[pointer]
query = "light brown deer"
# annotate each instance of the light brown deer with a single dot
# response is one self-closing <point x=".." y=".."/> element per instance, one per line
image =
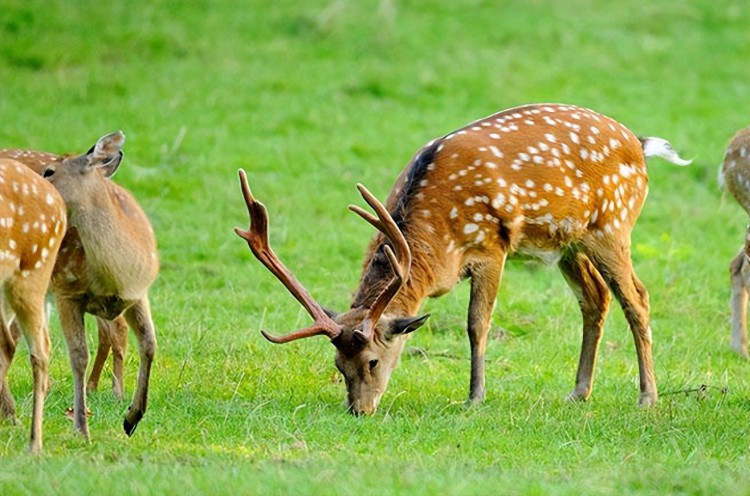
<point x="113" y="335"/>
<point x="562" y="183"/>
<point x="110" y="273"/>
<point x="32" y="226"/>
<point x="734" y="175"/>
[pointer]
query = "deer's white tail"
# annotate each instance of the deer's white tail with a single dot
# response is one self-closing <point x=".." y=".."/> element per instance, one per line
<point x="658" y="147"/>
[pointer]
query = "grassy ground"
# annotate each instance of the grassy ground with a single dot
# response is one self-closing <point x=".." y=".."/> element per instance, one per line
<point x="312" y="97"/>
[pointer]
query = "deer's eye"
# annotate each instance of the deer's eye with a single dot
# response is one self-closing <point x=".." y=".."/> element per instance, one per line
<point x="48" y="172"/>
<point x="373" y="364"/>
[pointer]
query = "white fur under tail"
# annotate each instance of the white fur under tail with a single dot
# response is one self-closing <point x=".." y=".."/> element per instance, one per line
<point x="658" y="147"/>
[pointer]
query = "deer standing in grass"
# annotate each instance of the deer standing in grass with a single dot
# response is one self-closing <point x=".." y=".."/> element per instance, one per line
<point x="734" y="175"/>
<point x="32" y="226"/>
<point x="562" y="183"/>
<point x="110" y="263"/>
<point x="113" y="335"/>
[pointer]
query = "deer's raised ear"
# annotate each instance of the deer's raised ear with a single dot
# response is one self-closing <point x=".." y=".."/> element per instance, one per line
<point x="406" y="325"/>
<point x="107" y="153"/>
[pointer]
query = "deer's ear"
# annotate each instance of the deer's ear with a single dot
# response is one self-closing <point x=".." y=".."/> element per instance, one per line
<point x="107" y="153"/>
<point x="407" y="325"/>
<point x="331" y="313"/>
<point x="109" y="166"/>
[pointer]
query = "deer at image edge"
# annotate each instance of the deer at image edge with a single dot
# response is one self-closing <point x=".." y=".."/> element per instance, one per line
<point x="32" y="226"/>
<point x="734" y="175"/>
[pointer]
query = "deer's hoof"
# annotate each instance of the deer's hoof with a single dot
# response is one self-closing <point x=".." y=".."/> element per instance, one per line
<point x="647" y="400"/>
<point x="128" y="427"/>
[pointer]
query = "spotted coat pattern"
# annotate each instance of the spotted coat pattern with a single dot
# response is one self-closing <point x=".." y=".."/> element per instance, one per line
<point x="531" y="180"/>
<point x="32" y="220"/>
<point x="558" y="182"/>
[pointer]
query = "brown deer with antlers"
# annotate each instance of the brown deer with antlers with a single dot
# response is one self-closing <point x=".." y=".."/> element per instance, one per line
<point x="108" y="266"/>
<point x="563" y="183"/>
<point x="734" y="175"/>
<point x="113" y="335"/>
<point x="32" y="226"/>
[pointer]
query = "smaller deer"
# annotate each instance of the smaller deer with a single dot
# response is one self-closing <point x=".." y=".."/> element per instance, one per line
<point x="32" y="226"/>
<point x="734" y="175"/>
<point x="109" y="266"/>
<point x="113" y="335"/>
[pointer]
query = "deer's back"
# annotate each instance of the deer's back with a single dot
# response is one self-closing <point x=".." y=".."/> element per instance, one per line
<point x="533" y="179"/>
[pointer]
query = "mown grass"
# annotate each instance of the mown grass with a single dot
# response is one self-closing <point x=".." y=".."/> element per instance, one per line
<point x="310" y="98"/>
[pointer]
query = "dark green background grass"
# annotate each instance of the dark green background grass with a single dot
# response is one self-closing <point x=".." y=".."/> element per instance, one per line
<point x="310" y="98"/>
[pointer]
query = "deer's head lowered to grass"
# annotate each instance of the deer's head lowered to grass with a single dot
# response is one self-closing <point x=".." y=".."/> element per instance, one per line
<point x="559" y="182"/>
<point x="366" y="340"/>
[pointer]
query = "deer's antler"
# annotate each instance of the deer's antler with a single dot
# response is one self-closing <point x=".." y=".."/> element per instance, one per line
<point x="399" y="256"/>
<point x="257" y="239"/>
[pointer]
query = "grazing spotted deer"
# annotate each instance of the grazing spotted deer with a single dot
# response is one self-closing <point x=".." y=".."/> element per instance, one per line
<point x="563" y="183"/>
<point x="113" y="335"/>
<point x="734" y="175"/>
<point x="32" y="226"/>
<point x="109" y="266"/>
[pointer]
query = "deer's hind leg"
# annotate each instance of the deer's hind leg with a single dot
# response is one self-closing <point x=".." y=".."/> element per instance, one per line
<point x="612" y="260"/>
<point x="594" y="299"/>
<point x="113" y="336"/>
<point x="28" y="304"/>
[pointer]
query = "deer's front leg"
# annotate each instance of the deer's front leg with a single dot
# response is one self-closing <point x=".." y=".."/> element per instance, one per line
<point x="71" y="321"/>
<point x="485" y="281"/>
<point x="739" y="272"/>
<point x="138" y="318"/>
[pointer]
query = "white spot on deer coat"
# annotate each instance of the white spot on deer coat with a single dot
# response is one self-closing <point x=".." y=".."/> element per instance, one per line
<point x="496" y="151"/>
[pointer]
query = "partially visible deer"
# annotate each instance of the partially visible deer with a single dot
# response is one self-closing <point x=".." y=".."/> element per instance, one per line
<point x="113" y="335"/>
<point x="32" y="226"/>
<point x="734" y="175"/>
<point x="110" y="273"/>
<point x="562" y="183"/>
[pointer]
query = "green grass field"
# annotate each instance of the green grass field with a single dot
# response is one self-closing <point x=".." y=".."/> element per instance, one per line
<point x="310" y="98"/>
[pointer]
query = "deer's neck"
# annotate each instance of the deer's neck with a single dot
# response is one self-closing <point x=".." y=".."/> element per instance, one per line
<point x="118" y="242"/>
<point x="377" y="272"/>
<point x="430" y="270"/>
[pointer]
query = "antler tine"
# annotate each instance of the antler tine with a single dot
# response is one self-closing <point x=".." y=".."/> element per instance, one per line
<point x="257" y="239"/>
<point x="399" y="256"/>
